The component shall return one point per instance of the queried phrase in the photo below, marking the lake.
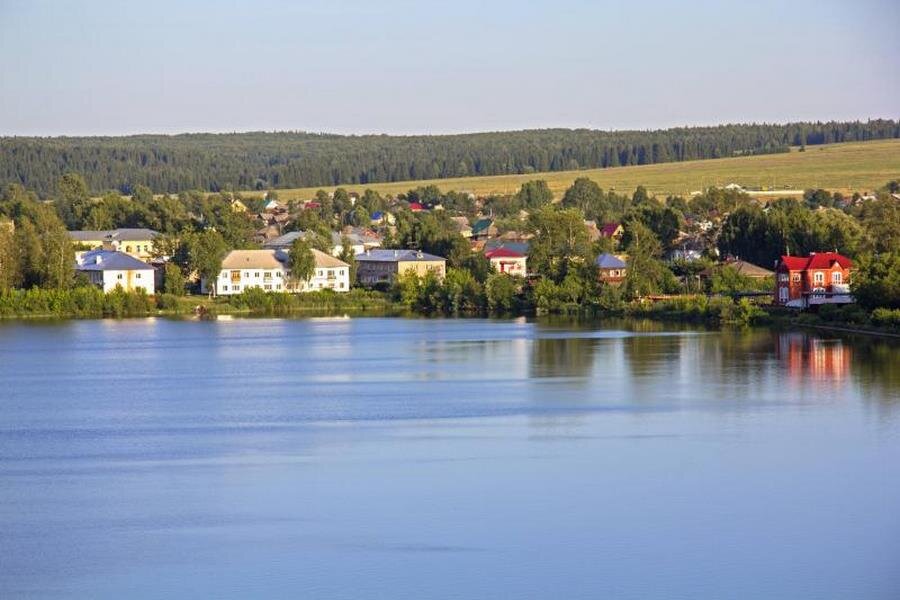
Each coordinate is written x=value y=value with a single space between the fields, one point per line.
x=416 y=458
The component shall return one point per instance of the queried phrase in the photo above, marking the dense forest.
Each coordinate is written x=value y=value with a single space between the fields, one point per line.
x=260 y=160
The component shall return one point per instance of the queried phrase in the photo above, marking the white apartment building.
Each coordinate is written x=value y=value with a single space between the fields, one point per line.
x=267 y=269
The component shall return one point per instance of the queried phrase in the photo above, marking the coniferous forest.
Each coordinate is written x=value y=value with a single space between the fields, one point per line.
x=261 y=160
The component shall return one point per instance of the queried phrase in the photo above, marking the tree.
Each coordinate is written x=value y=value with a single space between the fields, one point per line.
x=501 y=290
x=173 y=280
x=348 y=256
x=205 y=253
x=10 y=272
x=73 y=199
x=646 y=274
x=534 y=194
x=301 y=261
x=586 y=195
x=875 y=282
x=560 y=242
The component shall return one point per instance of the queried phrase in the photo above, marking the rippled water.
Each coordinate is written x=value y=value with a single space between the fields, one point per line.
x=403 y=458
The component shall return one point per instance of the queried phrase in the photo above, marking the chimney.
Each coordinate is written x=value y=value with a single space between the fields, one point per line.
x=396 y=253
x=98 y=259
x=419 y=254
x=110 y=244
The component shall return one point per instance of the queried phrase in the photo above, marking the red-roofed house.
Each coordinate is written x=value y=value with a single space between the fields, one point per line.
x=820 y=278
x=504 y=260
x=612 y=230
x=416 y=207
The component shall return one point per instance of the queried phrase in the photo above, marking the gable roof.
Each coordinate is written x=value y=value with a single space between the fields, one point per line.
x=391 y=255
x=121 y=235
x=610 y=261
x=816 y=260
x=273 y=259
x=503 y=252
x=110 y=260
x=520 y=247
x=609 y=229
x=481 y=225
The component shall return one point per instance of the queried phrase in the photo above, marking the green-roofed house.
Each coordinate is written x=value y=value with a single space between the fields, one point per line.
x=483 y=229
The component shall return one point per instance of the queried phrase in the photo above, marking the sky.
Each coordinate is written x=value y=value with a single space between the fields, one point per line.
x=405 y=67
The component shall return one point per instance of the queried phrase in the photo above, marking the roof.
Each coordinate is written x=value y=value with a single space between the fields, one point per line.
x=748 y=269
x=110 y=260
x=503 y=252
x=520 y=247
x=816 y=260
x=481 y=225
x=610 y=261
x=416 y=206
x=609 y=229
x=390 y=255
x=122 y=235
x=273 y=259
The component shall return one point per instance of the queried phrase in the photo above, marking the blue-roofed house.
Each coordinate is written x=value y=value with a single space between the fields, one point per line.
x=382 y=265
x=110 y=268
x=611 y=269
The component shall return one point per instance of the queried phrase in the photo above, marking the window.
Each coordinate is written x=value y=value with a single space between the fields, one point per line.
x=795 y=278
x=268 y=286
x=224 y=288
x=278 y=286
x=836 y=277
x=137 y=275
x=278 y=274
x=247 y=274
x=236 y=288
x=342 y=285
x=782 y=277
x=256 y=274
x=119 y=276
x=819 y=277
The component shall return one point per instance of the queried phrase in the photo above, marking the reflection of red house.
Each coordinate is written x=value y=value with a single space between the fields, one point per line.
x=820 y=278
x=813 y=357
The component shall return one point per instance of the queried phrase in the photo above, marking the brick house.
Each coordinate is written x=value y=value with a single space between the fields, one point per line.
x=820 y=278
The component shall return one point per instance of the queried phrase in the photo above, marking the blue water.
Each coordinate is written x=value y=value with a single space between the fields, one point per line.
x=404 y=458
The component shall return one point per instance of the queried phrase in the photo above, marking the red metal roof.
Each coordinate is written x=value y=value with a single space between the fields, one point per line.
x=416 y=206
x=817 y=260
x=503 y=253
x=609 y=229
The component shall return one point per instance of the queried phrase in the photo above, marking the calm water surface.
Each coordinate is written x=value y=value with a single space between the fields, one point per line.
x=400 y=458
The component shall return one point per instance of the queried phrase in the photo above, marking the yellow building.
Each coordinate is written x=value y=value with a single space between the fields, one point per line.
x=384 y=265
x=134 y=242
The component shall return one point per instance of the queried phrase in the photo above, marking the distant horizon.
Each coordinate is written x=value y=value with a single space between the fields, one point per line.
x=698 y=125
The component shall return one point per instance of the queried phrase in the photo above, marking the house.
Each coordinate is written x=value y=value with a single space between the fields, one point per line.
x=380 y=217
x=462 y=225
x=506 y=260
x=107 y=268
x=135 y=242
x=483 y=229
x=612 y=230
x=272 y=205
x=416 y=207
x=360 y=240
x=820 y=278
x=268 y=270
x=384 y=265
x=238 y=206
x=741 y=266
x=611 y=269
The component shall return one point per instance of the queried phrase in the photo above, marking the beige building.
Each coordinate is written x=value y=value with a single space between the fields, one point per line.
x=134 y=242
x=268 y=270
x=384 y=265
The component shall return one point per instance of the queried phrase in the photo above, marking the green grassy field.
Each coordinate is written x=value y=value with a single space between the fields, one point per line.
x=857 y=166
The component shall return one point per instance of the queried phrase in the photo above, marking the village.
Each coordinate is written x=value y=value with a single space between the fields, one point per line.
x=369 y=256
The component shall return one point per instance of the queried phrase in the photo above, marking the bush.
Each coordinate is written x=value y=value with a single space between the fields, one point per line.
x=887 y=317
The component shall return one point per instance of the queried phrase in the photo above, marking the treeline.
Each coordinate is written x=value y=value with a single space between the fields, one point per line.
x=260 y=160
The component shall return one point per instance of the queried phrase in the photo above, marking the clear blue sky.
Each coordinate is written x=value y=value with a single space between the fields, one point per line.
x=432 y=67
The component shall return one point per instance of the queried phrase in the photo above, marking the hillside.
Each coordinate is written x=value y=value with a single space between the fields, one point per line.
x=843 y=167
x=259 y=161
